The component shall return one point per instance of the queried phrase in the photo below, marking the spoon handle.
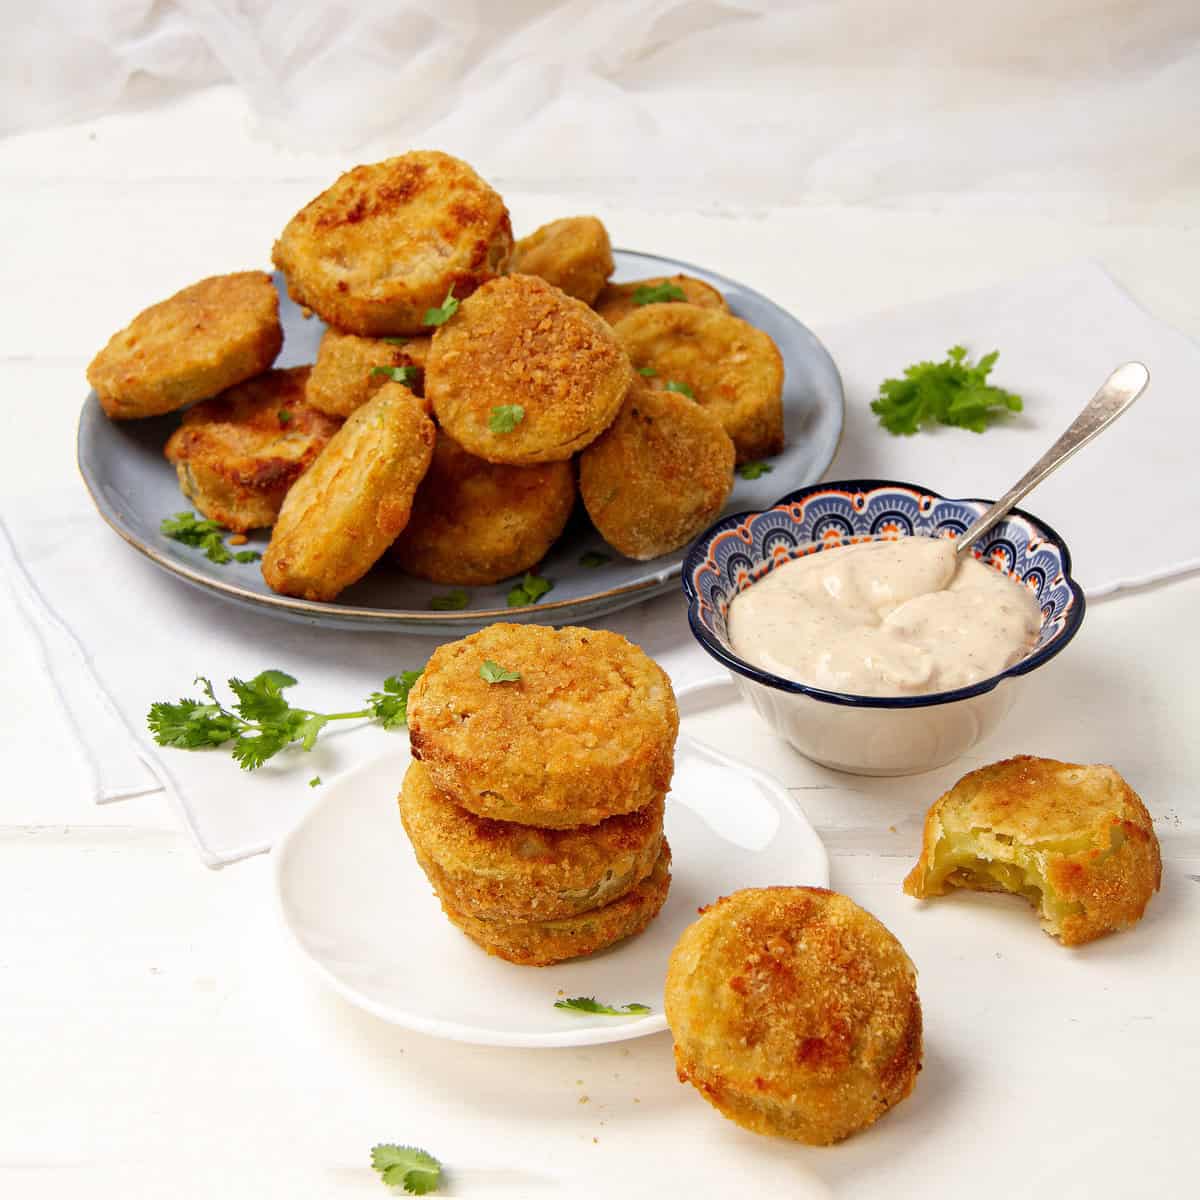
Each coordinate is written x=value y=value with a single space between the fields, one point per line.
x=1120 y=390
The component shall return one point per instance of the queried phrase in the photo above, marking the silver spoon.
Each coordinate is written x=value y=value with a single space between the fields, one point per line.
x=1119 y=392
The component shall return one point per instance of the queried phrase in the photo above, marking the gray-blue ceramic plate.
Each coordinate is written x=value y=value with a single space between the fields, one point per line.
x=134 y=487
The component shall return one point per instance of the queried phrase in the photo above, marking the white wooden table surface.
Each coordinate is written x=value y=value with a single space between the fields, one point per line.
x=157 y=1037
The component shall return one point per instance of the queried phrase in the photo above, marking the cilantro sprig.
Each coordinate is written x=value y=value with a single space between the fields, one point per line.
x=439 y=316
x=504 y=418
x=262 y=721
x=404 y=375
x=674 y=385
x=589 y=1004
x=416 y=1171
x=658 y=293
x=953 y=392
x=529 y=591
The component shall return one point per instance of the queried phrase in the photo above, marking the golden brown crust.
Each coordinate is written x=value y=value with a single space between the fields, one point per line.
x=658 y=475
x=794 y=1012
x=475 y=522
x=204 y=339
x=499 y=871
x=386 y=242
x=732 y=369
x=616 y=300
x=519 y=341
x=345 y=375
x=573 y=254
x=586 y=733
x=239 y=453
x=542 y=943
x=349 y=506
x=1075 y=840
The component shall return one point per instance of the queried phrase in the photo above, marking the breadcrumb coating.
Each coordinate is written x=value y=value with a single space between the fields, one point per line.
x=499 y=871
x=348 y=507
x=794 y=1013
x=475 y=522
x=573 y=254
x=239 y=453
x=543 y=943
x=732 y=369
x=518 y=341
x=658 y=475
x=344 y=377
x=1076 y=841
x=387 y=241
x=616 y=300
x=587 y=732
x=202 y=340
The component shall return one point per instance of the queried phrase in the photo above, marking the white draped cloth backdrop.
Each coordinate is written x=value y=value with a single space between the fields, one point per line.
x=1087 y=106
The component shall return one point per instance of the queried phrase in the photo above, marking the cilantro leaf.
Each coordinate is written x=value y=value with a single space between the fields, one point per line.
x=257 y=744
x=529 y=591
x=439 y=316
x=953 y=392
x=390 y=707
x=589 y=1004
x=673 y=385
x=315 y=781
x=754 y=470
x=594 y=558
x=657 y=293
x=492 y=672
x=403 y=375
x=405 y=1166
x=454 y=599
x=189 y=725
x=649 y=372
x=195 y=531
x=504 y=418
x=396 y=341
x=261 y=698
x=247 y=556
x=284 y=416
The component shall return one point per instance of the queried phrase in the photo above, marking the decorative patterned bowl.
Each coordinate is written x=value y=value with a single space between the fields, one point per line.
x=874 y=735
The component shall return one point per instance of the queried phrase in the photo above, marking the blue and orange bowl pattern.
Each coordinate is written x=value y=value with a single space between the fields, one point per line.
x=743 y=547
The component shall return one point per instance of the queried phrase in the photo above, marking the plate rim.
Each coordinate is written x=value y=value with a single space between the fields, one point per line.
x=382 y=618
x=455 y=1031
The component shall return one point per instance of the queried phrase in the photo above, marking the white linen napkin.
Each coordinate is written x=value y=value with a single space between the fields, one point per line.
x=118 y=634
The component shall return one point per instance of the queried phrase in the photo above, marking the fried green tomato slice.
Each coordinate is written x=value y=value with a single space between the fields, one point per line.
x=499 y=871
x=728 y=366
x=617 y=300
x=350 y=369
x=239 y=453
x=573 y=253
x=1074 y=840
x=794 y=1013
x=204 y=339
x=387 y=241
x=475 y=522
x=525 y=374
x=348 y=507
x=658 y=476
x=543 y=943
x=587 y=731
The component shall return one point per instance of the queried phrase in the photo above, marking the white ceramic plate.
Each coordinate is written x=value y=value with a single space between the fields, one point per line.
x=363 y=914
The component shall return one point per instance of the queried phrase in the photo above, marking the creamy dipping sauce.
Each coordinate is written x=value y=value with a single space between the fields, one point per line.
x=889 y=618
